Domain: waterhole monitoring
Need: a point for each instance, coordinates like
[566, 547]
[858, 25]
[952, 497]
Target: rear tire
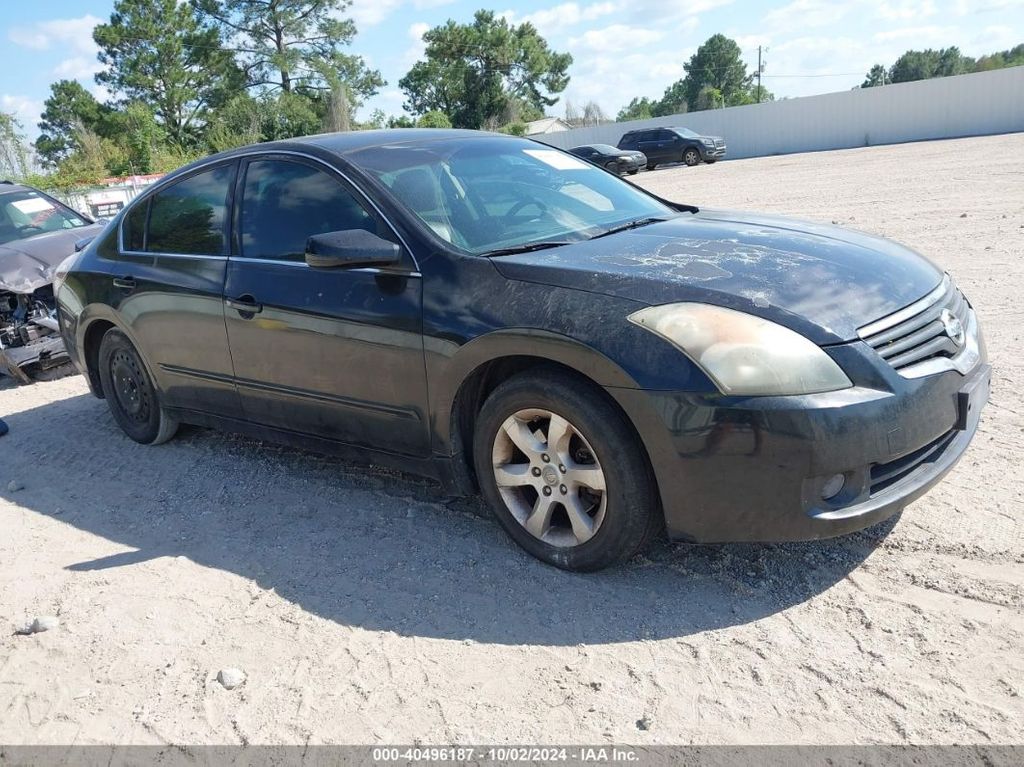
[691, 157]
[612, 167]
[651, 166]
[576, 488]
[634, 171]
[131, 396]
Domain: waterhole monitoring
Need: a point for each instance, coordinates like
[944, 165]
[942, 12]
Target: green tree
[68, 108]
[716, 64]
[434, 119]
[293, 45]
[876, 76]
[13, 149]
[1014, 57]
[474, 72]
[922, 65]
[159, 51]
[673, 102]
[637, 109]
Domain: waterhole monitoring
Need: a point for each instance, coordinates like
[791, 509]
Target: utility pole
[760, 69]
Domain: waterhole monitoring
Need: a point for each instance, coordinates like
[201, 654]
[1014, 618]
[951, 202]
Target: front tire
[691, 157]
[564, 472]
[131, 396]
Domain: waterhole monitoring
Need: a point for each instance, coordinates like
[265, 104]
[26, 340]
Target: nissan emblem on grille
[953, 327]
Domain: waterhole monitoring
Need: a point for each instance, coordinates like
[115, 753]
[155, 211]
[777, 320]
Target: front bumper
[713, 152]
[754, 469]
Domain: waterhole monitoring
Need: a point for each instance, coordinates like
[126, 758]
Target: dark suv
[663, 145]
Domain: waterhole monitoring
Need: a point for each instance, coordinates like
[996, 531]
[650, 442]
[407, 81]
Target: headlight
[708, 141]
[744, 354]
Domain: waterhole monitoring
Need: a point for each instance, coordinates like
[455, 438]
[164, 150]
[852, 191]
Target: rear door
[650, 145]
[168, 286]
[337, 353]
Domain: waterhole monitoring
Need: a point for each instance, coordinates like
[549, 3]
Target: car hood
[26, 265]
[819, 280]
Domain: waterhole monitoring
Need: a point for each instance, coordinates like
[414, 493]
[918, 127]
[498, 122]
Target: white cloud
[920, 36]
[77, 68]
[971, 7]
[369, 13]
[74, 35]
[561, 18]
[25, 110]
[801, 14]
[905, 10]
[415, 51]
[617, 37]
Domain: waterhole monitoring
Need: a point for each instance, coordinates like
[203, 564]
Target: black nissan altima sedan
[604, 366]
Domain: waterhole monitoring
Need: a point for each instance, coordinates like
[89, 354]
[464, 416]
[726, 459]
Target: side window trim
[409, 268]
[147, 200]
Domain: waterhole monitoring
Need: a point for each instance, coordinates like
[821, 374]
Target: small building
[546, 125]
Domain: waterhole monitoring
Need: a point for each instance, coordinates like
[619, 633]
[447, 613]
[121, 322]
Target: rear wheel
[650, 166]
[612, 166]
[691, 157]
[634, 171]
[564, 472]
[131, 396]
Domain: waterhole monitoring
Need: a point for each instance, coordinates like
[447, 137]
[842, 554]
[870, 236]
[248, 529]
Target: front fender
[513, 342]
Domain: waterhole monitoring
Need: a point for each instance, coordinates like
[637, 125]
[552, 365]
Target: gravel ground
[361, 606]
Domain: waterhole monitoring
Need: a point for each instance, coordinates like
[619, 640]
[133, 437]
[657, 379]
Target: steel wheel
[549, 477]
[131, 389]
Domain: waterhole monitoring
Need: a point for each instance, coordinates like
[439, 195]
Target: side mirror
[83, 243]
[350, 248]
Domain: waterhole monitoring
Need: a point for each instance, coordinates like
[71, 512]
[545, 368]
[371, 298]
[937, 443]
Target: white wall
[966, 105]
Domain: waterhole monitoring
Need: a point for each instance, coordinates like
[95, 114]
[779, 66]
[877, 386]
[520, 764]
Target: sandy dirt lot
[365, 607]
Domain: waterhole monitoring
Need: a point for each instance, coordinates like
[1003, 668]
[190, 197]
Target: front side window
[284, 203]
[26, 214]
[188, 216]
[134, 227]
[489, 194]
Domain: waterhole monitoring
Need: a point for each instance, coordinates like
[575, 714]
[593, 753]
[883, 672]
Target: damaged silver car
[36, 233]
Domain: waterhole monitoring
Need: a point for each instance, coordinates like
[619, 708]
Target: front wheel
[651, 166]
[691, 157]
[131, 396]
[564, 472]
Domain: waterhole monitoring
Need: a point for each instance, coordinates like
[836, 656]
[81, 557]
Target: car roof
[10, 186]
[340, 144]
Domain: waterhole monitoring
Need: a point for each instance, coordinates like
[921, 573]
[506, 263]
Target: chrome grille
[918, 339]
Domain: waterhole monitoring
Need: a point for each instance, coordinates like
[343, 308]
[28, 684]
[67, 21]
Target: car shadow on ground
[377, 549]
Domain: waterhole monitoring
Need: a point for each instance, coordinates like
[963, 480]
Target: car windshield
[498, 194]
[25, 214]
[606, 148]
[686, 133]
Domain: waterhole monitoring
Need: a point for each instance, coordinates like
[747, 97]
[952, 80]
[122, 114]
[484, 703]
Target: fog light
[833, 487]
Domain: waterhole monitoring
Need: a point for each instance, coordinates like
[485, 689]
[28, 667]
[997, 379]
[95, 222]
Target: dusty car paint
[390, 369]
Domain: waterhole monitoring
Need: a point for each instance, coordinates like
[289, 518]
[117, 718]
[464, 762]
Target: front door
[333, 352]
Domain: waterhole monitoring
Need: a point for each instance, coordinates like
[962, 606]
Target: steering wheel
[30, 226]
[542, 208]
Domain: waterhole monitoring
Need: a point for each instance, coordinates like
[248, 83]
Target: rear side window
[188, 217]
[134, 227]
[284, 203]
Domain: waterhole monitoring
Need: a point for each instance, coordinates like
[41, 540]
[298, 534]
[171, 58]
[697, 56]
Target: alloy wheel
[549, 477]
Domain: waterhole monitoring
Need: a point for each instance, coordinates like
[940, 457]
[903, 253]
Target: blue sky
[621, 48]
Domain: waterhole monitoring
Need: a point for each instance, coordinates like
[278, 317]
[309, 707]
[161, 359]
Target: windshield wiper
[527, 248]
[629, 225]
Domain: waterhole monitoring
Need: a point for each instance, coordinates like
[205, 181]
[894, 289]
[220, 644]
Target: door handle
[125, 283]
[244, 305]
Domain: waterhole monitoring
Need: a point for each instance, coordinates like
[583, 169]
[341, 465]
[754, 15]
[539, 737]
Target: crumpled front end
[30, 340]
